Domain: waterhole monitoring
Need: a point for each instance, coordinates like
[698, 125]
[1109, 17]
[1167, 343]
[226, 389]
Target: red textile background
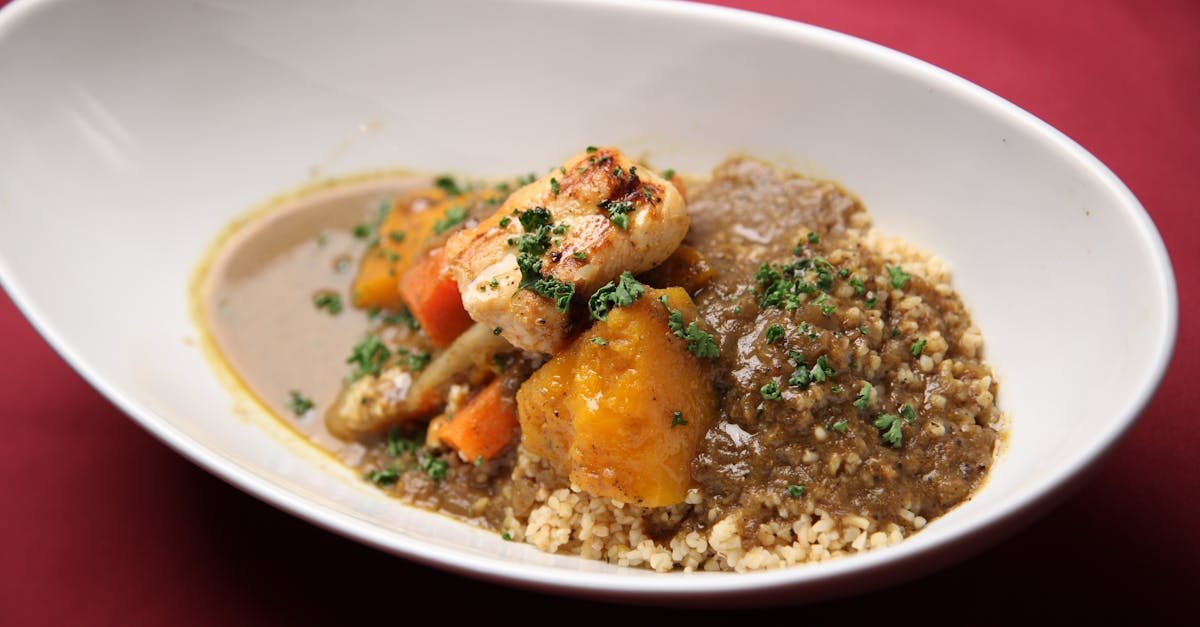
[102, 524]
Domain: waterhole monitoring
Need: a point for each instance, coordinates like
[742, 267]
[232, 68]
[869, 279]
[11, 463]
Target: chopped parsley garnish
[898, 276]
[558, 291]
[402, 317]
[677, 420]
[813, 238]
[554, 185]
[801, 377]
[839, 426]
[434, 467]
[837, 389]
[383, 478]
[909, 414]
[668, 174]
[505, 221]
[506, 536]
[368, 357]
[859, 287]
[447, 184]
[795, 491]
[618, 212]
[497, 331]
[700, 343]
[770, 391]
[620, 293]
[454, 216]
[398, 445]
[864, 396]
[871, 302]
[599, 341]
[413, 361]
[917, 347]
[895, 332]
[478, 461]
[362, 231]
[298, 403]
[821, 370]
[329, 301]
[500, 362]
[889, 426]
[535, 218]
[591, 149]
[579, 255]
[774, 333]
[397, 236]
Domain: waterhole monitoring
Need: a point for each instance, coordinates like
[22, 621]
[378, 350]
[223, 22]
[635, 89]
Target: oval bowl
[133, 131]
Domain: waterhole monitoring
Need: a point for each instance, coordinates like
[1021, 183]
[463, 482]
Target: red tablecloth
[102, 524]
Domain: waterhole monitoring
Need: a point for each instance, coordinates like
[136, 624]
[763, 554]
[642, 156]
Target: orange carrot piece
[403, 235]
[484, 426]
[433, 298]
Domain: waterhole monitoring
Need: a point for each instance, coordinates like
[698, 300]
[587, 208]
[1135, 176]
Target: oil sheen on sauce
[255, 298]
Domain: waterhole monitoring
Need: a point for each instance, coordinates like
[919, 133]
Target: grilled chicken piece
[578, 228]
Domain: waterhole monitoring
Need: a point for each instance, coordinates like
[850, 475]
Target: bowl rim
[704, 588]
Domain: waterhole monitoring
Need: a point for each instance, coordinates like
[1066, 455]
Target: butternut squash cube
[623, 409]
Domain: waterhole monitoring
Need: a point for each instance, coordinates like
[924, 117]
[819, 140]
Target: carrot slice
[433, 298]
[484, 426]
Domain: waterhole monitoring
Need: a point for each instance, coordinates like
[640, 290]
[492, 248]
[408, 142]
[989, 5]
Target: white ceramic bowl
[132, 131]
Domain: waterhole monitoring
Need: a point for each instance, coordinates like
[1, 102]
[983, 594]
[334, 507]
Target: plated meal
[733, 372]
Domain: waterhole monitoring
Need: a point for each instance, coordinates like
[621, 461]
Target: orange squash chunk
[623, 409]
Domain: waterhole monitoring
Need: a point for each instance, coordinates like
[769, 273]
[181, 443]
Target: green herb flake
[864, 396]
[398, 445]
[298, 403]
[770, 391]
[774, 333]
[909, 414]
[447, 184]
[871, 302]
[898, 276]
[618, 212]
[677, 420]
[414, 361]
[839, 426]
[591, 149]
[813, 238]
[795, 491]
[599, 341]
[397, 236]
[368, 357]
[837, 389]
[558, 291]
[478, 461]
[620, 293]
[699, 342]
[362, 231]
[917, 347]
[889, 427]
[668, 174]
[329, 301]
[500, 362]
[383, 478]
[402, 317]
[859, 287]
[554, 185]
[505, 221]
[579, 255]
[506, 536]
[454, 216]
[434, 467]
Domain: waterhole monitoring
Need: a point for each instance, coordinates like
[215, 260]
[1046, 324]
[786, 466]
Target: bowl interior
[134, 131]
